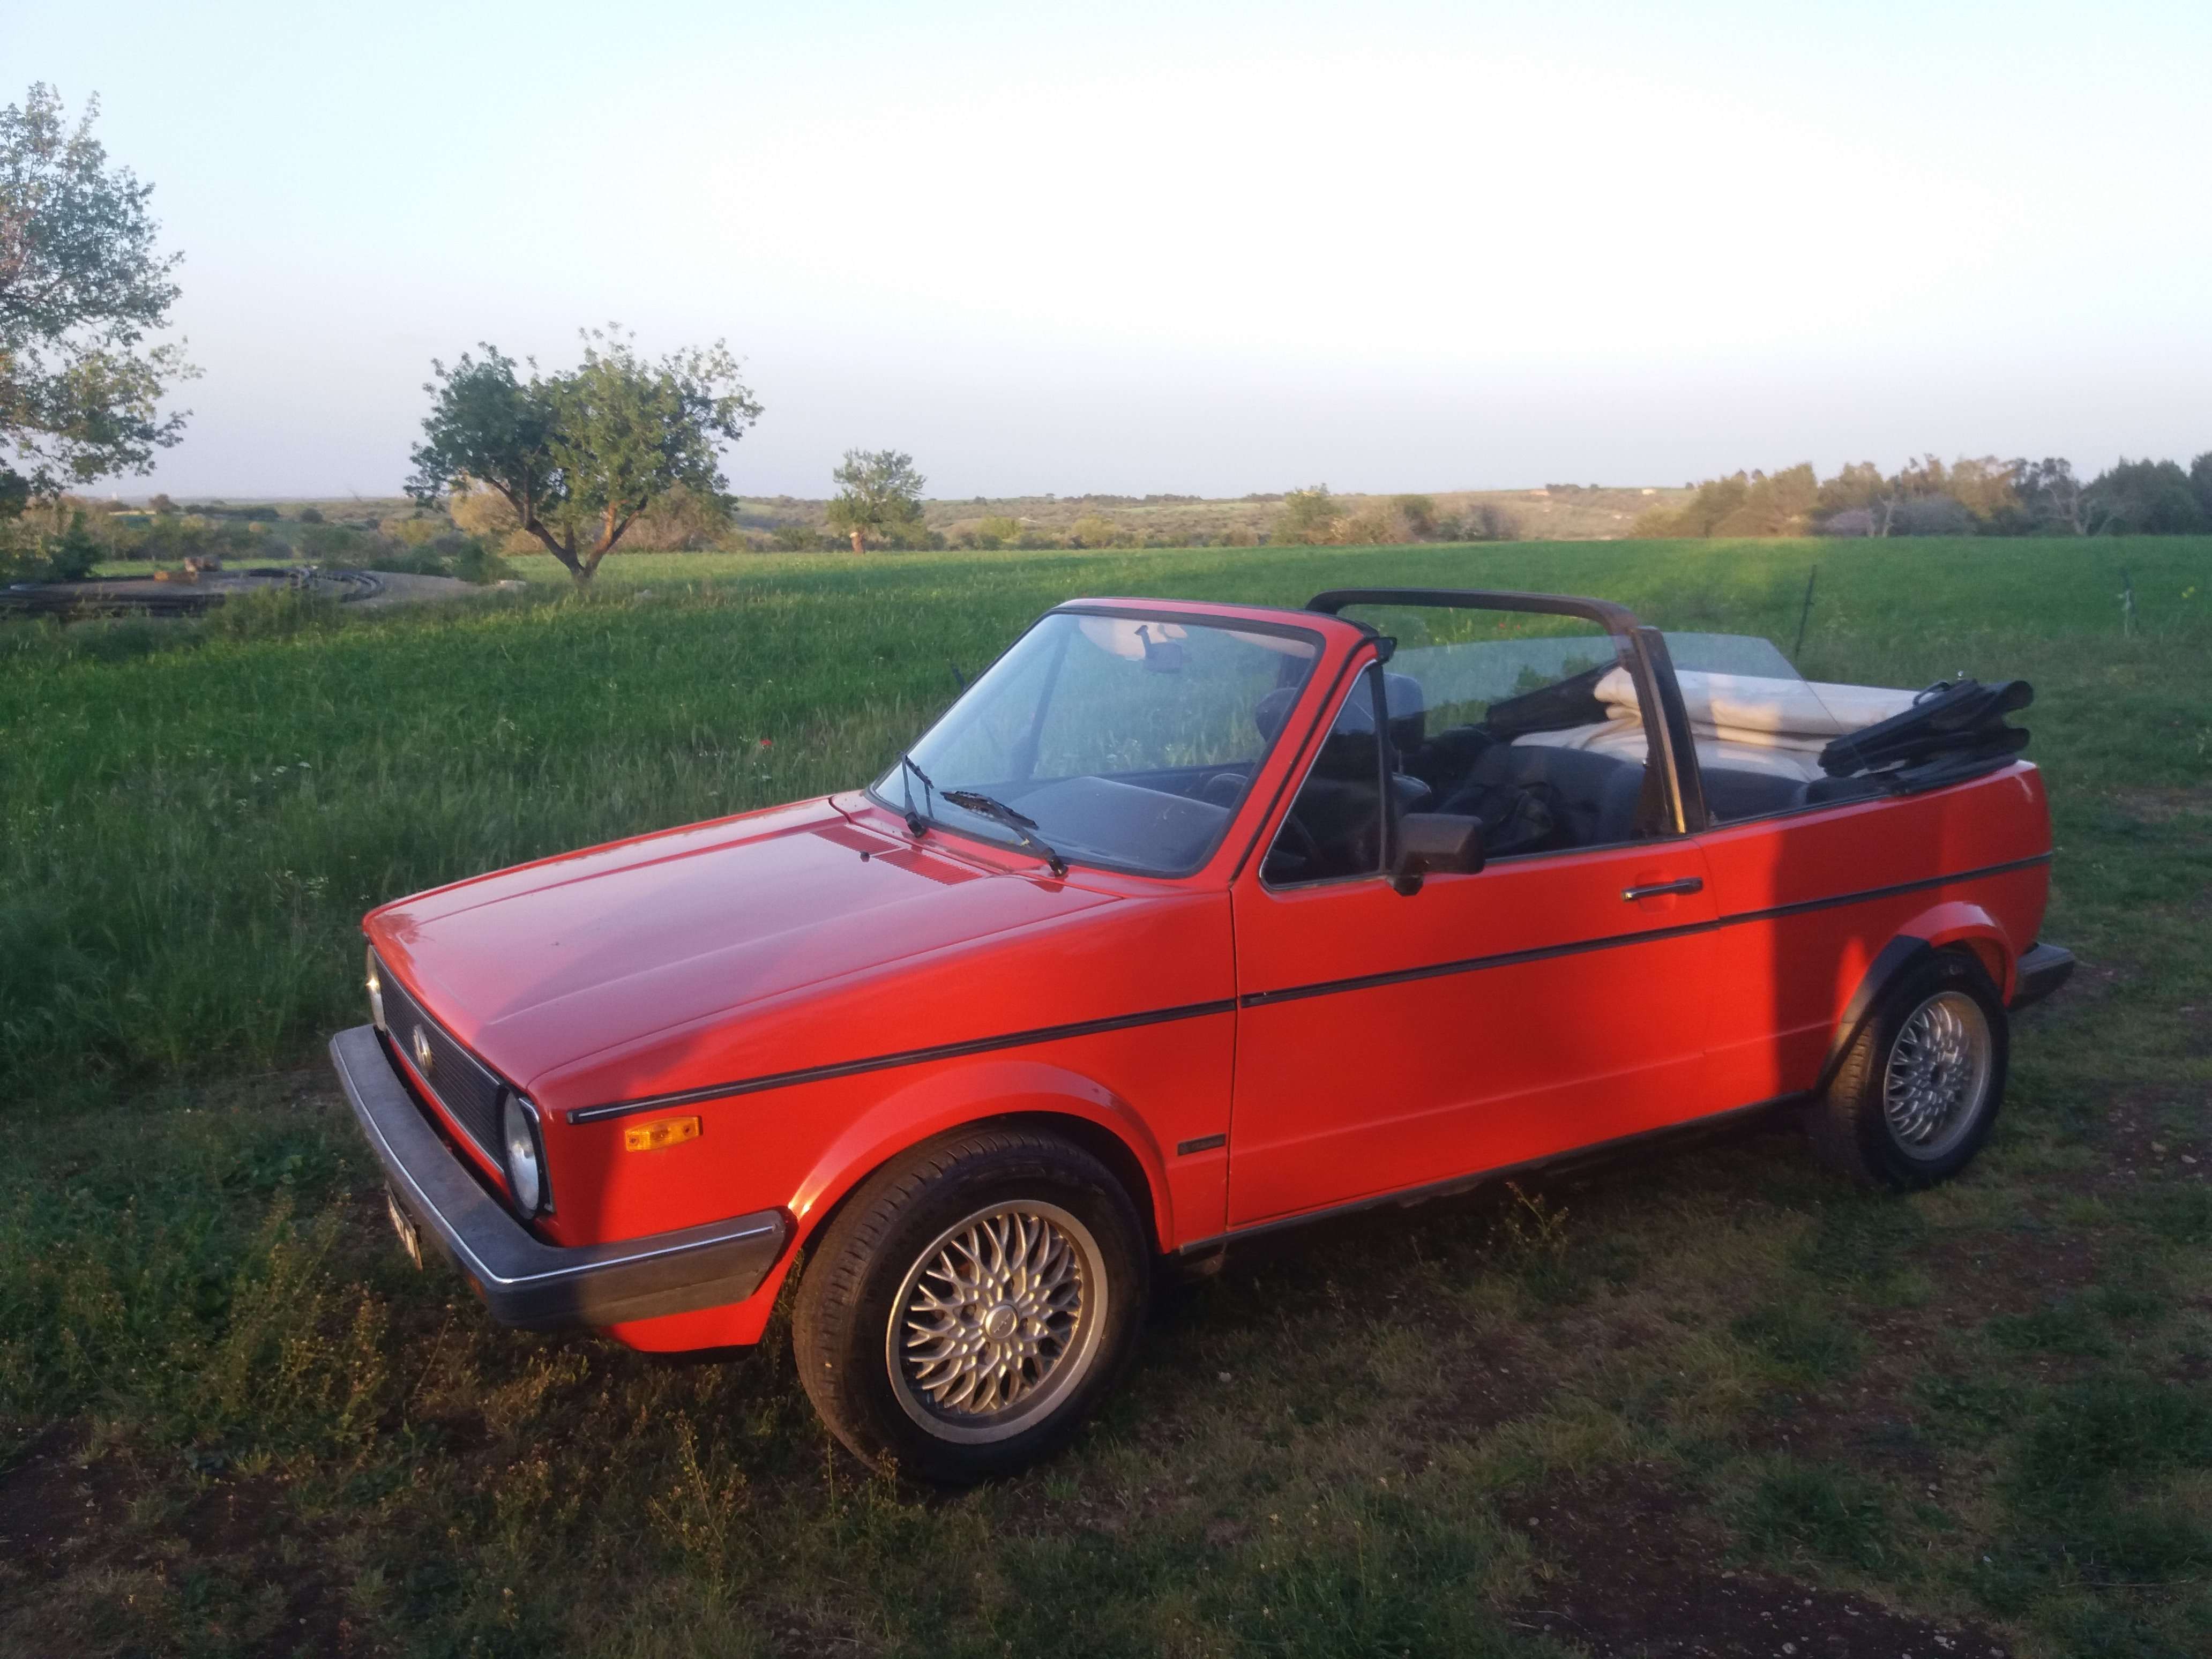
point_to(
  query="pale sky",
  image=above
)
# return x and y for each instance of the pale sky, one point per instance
(1188, 247)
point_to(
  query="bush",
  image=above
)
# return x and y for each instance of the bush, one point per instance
(997, 530)
(1095, 529)
(1307, 518)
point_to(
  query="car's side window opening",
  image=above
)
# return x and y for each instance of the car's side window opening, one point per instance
(1505, 717)
(1339, 824)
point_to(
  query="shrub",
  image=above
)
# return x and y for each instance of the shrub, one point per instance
(1419, 512)
(997, 530)
(1307, 519)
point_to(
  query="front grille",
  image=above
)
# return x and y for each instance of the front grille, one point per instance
(463, 1086)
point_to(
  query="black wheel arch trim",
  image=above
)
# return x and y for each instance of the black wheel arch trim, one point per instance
(1892, 963)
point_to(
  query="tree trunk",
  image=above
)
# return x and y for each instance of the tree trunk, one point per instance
(859, 545)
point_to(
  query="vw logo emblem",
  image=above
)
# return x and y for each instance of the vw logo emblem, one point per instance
(420, 1041)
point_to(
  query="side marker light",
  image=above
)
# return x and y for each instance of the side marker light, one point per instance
(661, 1132)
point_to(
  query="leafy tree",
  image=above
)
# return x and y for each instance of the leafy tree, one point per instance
(2050, 496)
(82, 285)
(878, 495)
(2144, 498)
(1745, 504)
(681, 521)
(578, 457)
(2200, 483)
(1306, 518)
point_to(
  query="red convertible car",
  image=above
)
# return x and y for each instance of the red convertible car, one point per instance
(1185, 922)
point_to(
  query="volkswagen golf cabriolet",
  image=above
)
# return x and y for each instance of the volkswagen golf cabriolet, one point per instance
(1187, 921)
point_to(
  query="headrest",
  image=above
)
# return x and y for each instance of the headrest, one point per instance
(1272, 710)
(1407, 705)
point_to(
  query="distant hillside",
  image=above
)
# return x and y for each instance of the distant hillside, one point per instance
(1556, 513)
(1552, 513)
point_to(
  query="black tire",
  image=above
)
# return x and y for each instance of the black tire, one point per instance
(871, 1262)
(1858, 1130)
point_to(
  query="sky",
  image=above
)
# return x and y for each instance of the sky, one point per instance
(1199, 248)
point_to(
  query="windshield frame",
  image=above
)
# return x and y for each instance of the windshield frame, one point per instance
(1236, 621)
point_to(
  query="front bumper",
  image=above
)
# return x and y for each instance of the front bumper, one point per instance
(2042, 970)
(524, 1281)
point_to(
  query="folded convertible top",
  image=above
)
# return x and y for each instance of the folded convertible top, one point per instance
(1954, 729)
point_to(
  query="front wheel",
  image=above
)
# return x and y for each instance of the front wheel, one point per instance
(1918, 1090)
(969, 1305)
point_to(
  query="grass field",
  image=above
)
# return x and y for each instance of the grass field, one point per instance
(1711, 1391)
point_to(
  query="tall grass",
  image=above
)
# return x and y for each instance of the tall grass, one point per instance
(194, 815)
(232, 1419)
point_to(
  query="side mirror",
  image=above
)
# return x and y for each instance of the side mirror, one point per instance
(1436, 843)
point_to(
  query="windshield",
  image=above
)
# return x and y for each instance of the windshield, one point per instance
(1127, 741)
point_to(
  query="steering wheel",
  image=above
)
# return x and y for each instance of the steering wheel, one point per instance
(1296, 841)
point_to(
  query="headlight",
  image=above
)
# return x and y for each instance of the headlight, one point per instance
(522, 1154)
(375, 990)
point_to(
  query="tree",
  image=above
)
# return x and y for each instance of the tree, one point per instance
(82, 285)
(1745, 504)
(878, 495)
(578, 457)
(2200, 483)
(2051, 497)
(1308, 517)
(2143, 498)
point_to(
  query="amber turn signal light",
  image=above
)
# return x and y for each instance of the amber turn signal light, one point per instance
(661, 1132)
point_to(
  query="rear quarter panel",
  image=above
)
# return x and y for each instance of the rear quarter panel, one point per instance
(1806, 902)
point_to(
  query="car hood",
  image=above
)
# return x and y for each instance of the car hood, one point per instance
(646, 965)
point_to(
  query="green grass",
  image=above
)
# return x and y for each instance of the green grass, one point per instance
(1984, 1403)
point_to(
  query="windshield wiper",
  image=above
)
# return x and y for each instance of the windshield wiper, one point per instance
(916, 824)
(975, 801)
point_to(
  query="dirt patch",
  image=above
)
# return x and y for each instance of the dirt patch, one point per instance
(1636, 1573)
(2140, 1139)
(1483, 1389)
(64, 1516)
(2165, 805)
(55, 1506)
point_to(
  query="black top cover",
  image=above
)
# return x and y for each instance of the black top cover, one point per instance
(1954, 730)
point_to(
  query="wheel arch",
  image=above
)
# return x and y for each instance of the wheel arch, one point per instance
(1955, 926)
(1024, 1093)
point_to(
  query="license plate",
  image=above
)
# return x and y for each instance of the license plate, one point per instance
(410, 1236)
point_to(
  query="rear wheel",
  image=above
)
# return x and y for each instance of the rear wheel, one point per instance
(1919, 1092)
(971, 1304)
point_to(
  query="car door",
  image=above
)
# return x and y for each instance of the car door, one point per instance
(1387, 1040)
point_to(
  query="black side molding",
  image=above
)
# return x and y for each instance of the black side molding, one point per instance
(525, 1282)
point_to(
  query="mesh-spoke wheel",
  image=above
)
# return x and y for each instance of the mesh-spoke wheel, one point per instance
(969, 1306)
(1919, 1087)
(999, 1316)
(1938, 1074)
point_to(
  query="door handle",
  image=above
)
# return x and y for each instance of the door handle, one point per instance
(1660, 890)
